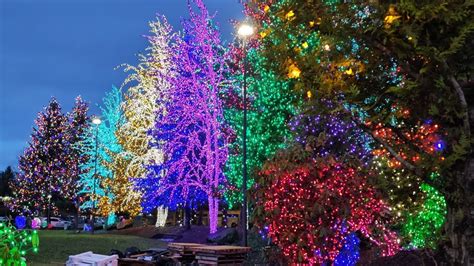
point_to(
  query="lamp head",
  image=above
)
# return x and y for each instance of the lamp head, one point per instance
(245, 30)
(96, 121)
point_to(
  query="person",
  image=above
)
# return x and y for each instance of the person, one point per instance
(28, 222)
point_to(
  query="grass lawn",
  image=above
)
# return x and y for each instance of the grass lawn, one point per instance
(56, 246)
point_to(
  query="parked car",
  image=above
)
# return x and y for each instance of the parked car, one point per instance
(57, 222)
(99, 222)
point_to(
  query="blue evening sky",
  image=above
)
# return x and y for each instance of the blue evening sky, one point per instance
(65, 48)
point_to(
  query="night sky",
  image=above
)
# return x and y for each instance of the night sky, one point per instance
(65, 48)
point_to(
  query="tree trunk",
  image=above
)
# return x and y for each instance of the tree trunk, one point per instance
(111, 219)
(213, 213)
(460, 223)
(187, 217)
(161, 216)
(76, 216)
(200, 215)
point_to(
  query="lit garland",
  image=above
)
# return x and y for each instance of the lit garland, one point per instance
(331, 133)
(15, 244)
(191, 132)
(420, 208)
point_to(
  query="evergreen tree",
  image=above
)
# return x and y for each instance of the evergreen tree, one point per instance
(43, 165)
(78, 125)
(6, 178)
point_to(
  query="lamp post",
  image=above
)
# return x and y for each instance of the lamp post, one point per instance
(245, 31)
(96, 121)
(48, 218)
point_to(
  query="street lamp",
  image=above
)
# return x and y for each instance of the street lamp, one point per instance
(96, 121)
(244, 32)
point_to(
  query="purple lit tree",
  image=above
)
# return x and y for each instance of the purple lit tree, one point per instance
(191, 133)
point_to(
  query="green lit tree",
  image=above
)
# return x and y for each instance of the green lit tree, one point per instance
(271, 105)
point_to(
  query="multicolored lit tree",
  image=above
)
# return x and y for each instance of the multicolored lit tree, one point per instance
(44, 164)
(107, 145)
(312, 205)
(191, 132)
(383, 61)
(78, 125)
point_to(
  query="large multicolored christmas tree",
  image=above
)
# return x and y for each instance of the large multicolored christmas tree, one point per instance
(44, 166)
(78, 125)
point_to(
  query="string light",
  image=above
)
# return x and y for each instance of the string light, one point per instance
(46, 166)
(16, 243)
(107, 145)
(318, 204)
(271, 105)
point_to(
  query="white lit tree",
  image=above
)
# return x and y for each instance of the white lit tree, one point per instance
(144, 100)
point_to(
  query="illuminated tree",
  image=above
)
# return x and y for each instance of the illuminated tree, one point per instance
(190, 133)
(394, 66)
(311, 205)
(108, 145)
(44, 163)
(78, 125)
(271, 105)
(143, 102)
